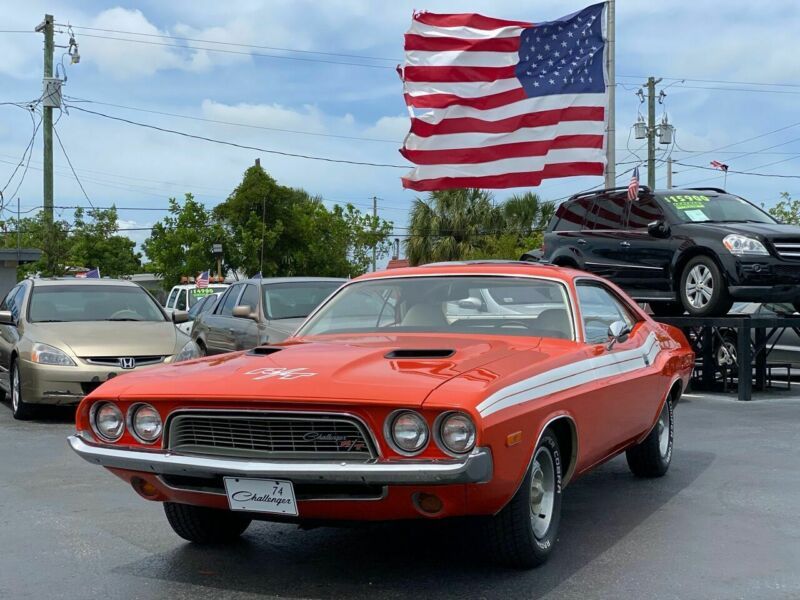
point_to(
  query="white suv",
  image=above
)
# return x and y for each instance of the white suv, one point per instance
(184, 296)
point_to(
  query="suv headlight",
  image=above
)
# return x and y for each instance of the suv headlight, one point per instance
(407, 431)
(48, 355)
(457, 433)
(188, 352)
(741, 245)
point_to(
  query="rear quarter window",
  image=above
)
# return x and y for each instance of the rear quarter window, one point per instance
(571, 215)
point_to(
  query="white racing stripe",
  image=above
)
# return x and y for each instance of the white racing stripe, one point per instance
(572, 375)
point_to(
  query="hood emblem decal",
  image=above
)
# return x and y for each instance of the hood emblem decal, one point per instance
(279, 373)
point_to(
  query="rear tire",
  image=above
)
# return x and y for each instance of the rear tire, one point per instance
(704, 291)
(203, 525)
(667, 309)
(652, 457)
(21, 410)
(523, 534)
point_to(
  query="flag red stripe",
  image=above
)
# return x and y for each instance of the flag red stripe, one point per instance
(443, 44)
(537, 119)
(481, 103)
(458, 74)
(528, 179)
(501, 151)
(466, 20)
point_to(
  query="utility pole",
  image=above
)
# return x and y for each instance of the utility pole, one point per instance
(669, 173)
(611, 169)
(46, 27)
(651, 131)
(374, 243)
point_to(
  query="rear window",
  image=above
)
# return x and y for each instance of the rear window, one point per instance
(572, 214)
(295, 300)
(61, 303)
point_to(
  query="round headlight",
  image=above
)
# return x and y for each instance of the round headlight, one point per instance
(146, 423)
(409, 431)
(457, 432)
(108, 421)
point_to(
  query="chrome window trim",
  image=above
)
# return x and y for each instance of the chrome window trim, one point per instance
(588, 262)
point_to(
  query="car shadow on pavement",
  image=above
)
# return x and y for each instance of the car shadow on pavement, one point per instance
(46, 414)
(424, 559)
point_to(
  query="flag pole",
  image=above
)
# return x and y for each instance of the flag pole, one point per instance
(611, 170)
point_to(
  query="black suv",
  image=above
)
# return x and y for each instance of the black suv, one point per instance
(695, 249)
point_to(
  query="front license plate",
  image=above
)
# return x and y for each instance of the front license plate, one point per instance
(261, 495)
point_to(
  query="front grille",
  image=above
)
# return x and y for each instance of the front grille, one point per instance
(269, 435)
(114, 361)
(788, 248)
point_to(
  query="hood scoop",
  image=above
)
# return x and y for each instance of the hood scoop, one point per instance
(264, 350)
(421, 353)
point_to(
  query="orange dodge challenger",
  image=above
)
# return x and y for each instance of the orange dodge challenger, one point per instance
(478, 388)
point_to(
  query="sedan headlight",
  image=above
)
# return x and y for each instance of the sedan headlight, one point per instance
(407, 431)
(145, 422)
(107, 421)
(49, 355)
(741, 245)
(188, 352)
(457, 433)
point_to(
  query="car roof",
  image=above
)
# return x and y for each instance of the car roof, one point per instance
(481, 267)
(191, 286)
(60, 281)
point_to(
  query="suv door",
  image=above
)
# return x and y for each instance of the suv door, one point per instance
(565, 242)
(607, 244)
(649, 258)
(220, 324)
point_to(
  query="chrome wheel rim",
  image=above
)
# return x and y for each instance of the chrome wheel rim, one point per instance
(663, 430)
(15, 389)
(699, 286)
(543, 492)
(726, 355)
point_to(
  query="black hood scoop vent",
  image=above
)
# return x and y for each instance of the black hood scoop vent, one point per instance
(264, 350)
(421, 353)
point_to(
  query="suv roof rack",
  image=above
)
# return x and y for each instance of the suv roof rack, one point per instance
(713, 189)
(642, 188)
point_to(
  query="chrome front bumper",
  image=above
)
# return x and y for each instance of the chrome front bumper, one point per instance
(473, 468)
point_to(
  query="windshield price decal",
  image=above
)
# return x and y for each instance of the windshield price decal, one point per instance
(687, 202)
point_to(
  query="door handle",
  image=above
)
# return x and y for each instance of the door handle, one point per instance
(625, 244)
(582, 242)
(231, 330)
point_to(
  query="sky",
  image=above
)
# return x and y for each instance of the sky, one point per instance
(318, 79)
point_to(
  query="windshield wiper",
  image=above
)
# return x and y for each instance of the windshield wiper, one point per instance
(50, 321)
(126, 319)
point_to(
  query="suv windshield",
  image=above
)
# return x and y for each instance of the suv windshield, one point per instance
(449, 304)
(295, 300)
(721, 208)
(57, 303)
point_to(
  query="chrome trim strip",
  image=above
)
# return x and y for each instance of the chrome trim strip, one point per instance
(623, 266)
(474, 468)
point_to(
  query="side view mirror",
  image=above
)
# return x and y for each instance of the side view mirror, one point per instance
(658, 229)
(245, 311)
(618, 331)
(470, 303)
(180, 316)
(6, 318)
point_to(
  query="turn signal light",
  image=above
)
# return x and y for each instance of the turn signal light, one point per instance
(144, 488)
(429, 504)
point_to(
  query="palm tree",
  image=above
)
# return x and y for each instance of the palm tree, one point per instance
(449, 225)
(526, 214)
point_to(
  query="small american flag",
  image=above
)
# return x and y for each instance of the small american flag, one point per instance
(718, 165)
(504, 103)
(633, 186)
(202, 280)
(91, 274)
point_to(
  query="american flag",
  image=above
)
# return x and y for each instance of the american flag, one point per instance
(202, 280)
(718, 165)
(633, 186)
(497, 104)
(90, 274)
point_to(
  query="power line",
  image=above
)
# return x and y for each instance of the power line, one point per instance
(748, 172)
(69, 162)
(724, 81)
(29, 152)
(236, 145)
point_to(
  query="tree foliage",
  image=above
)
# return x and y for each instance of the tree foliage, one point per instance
(466, 224)
(787, 210)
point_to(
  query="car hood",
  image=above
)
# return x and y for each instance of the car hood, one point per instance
(344, 369)
(106, 338)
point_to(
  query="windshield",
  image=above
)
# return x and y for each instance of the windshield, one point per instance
(58, 303)
(198, 294)
(721, 208)
(295, 300)
(523, 306)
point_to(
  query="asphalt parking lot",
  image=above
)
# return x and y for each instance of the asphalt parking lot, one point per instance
(722, 524)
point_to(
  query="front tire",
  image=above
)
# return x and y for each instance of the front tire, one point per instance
(203, 525)
(704, 292)
(21, 410)
(523, 534)
(652, 457)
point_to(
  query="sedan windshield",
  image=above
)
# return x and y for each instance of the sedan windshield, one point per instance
(59, 303)
(523, 306)
(722, 208)
(295, 300)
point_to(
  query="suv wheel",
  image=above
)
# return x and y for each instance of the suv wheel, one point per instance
(704, 292)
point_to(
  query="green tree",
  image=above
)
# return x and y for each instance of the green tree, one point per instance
(787, 210)
(96, 243)
(181, 244)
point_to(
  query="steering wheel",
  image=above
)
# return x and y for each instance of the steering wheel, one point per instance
(125, 313)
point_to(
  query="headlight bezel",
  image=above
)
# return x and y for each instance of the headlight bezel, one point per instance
(388, 432)
(93, 416)
(747, 245)
(195, 353)
(40, 349)
(130, 421)
(440, 438)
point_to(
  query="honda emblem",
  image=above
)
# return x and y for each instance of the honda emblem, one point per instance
(127, 362)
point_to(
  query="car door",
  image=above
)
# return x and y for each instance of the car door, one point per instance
(624, 403)
(169, 305)
(219, 324)
(246, 331)
(649, 258)
(9, 334)
(604, 232)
